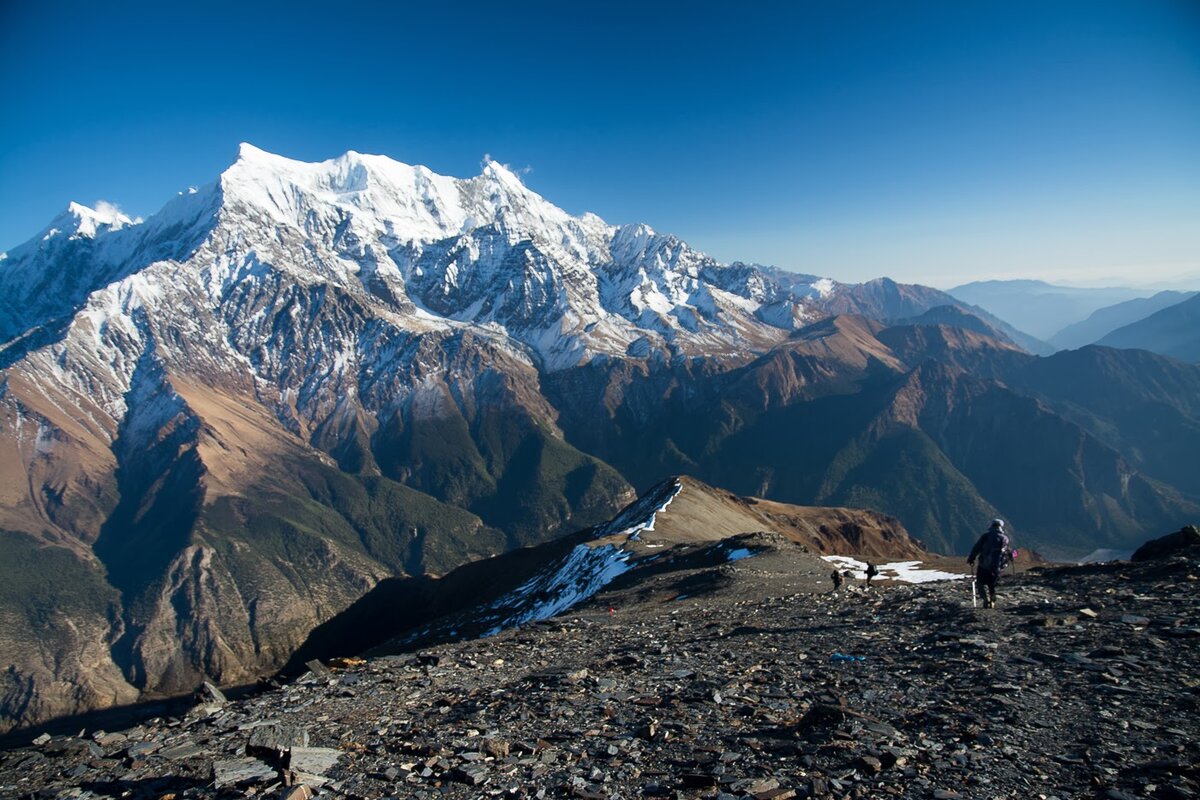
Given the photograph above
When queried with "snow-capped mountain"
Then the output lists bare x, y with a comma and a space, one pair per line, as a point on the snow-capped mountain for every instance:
352, 296
179, 391
421, 250
314, 285
222, 425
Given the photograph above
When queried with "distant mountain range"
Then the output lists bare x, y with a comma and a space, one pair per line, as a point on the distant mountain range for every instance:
1042, 309
222, 426
1108, 319
1172, 331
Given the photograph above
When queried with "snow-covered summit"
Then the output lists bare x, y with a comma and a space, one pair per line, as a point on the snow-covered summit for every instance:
412, 199
405, 203
88, 221
78, 220
313, 278
362, 288
492, 252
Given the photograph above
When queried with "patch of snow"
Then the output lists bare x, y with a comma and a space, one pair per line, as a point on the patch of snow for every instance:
904, 571
1106, 554
747, 304
912, 572
639, 515
584, 572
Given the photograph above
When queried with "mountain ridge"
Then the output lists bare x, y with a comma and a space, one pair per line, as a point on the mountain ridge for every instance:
1108, 319
1173, 331
1042, 309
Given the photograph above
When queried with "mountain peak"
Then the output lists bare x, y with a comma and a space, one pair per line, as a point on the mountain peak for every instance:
250, 153
80, 220
305, 173
494, 168
504, 182
409, 203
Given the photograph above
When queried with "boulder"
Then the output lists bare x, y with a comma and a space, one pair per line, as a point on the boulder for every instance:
1184, 541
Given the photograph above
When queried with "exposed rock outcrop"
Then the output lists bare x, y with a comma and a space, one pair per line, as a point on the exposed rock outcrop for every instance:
1185, 541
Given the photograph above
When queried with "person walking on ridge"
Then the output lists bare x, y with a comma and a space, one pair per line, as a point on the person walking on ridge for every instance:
991, 551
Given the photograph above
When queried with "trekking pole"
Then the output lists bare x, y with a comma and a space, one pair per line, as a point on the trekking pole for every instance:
973, 605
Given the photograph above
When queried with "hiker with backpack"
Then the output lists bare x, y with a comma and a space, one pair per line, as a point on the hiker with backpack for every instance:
993, 554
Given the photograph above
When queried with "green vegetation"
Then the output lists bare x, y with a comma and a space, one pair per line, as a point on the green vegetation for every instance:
40, 583
510, 470
904, 474
438, 457
548, 487
399, 528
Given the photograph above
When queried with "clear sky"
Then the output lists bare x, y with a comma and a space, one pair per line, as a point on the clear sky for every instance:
929, 141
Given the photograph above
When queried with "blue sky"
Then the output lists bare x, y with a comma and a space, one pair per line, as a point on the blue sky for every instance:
932, 142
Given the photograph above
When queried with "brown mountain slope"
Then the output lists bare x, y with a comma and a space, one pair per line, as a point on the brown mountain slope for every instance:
700, 513
198, 537
933, 424
215, 524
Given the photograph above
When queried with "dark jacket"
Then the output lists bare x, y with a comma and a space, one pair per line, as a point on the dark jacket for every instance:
990, 550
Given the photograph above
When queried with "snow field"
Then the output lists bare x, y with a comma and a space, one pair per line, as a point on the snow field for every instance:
905, 571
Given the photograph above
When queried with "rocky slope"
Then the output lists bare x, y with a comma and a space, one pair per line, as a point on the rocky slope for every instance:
671, 528
747, 679
222, 426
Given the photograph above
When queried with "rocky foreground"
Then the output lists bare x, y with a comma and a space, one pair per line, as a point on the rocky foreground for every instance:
758, 683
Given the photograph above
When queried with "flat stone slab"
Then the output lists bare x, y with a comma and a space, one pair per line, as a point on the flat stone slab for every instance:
185, 750
313, 760
240, 771
272, 741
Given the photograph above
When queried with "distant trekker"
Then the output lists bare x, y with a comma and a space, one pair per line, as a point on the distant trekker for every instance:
872, 571
837, 579
991, 551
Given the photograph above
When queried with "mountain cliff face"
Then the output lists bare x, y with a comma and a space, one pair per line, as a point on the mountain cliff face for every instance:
221, 426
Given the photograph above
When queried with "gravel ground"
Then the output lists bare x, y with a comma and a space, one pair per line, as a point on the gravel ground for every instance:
749, 679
